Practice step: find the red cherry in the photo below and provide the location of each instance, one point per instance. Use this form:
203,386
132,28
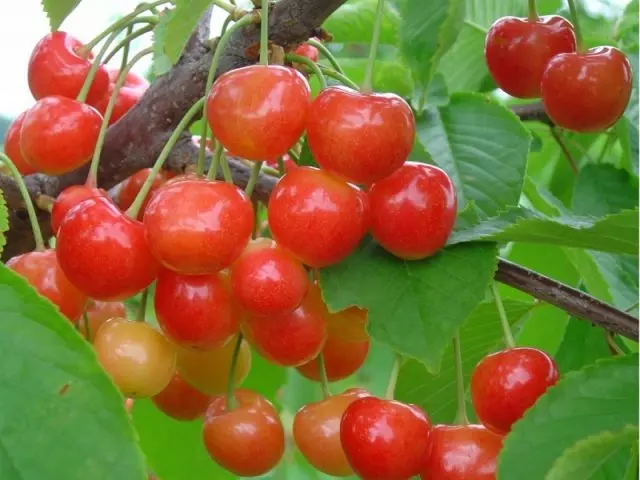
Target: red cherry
349,324
361,137
128,96
42,271
69,198
181,401
267,280
98,314
308,51
341,359
258,112
504,385
59,134
196,226
12,146
587,92
317,217
55,68
248,440
462,452
103,252
518,50
131,187
413,210
289,163
385,439
195,310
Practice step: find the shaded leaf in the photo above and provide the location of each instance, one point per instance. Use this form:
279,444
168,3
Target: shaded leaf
181,23
353,23
58,10
161,61
627,27
603,189
582,345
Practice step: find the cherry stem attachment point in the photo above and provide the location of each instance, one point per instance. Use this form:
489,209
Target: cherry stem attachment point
311,64
504,321
393,378
367,85
461,414
142,309
327,53
253,178
339,76
226,6
576,25
231,400
87,326
28,202
264,32
324,380
533,12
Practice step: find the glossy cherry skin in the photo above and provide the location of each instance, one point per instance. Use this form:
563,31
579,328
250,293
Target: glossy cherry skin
181,401
98,313
59,134
518,50
55,68
385,439
308,51
103,252
267,280
316,431
195,311
505,384
12,146
258,112
196,226
42,271
69,198
317,217
587,92
361,137
128,96
413,210
248,440
462,452
131,187
341,359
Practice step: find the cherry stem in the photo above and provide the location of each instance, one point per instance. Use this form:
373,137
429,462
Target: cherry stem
576,25
215,162
309,63
253,178
393,378
142,309
327,53
226,171
124,43
281,168
324,379
134,209
294,155
339,76
567,154
226,6
611,342
264,33
533,12
367,85
508,336
224,39
225,25
461,414
28,202
122,77
126,48
231,401
88,81
87,326
631,307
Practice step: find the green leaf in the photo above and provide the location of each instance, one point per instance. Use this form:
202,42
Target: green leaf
388,75
181,23
627,27
482,146
603,189
427,31
306,157
605,456
353,23
161,61
603,396
58,10
627,127
409,303
485,12
4,221
62,417
463,66
582,345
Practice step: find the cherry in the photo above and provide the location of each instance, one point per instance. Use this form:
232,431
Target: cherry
131,187
195,310
12,146
289,163
140,360
128,96
56,68
349,324
308,51
587,92
208,370
196,226
103,252
385,439
42,271
316,431
98,313
258,112
462,452
181,401
518,50
317,217
413,210
247,440
59,134
505,384
69,198
361,137
267,280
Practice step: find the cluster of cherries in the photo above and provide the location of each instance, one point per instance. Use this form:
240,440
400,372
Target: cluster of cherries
582,90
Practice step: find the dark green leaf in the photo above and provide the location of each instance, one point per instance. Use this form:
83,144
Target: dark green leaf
353,23
412,297
485,12
306,157
58,10
582,344
52,388
182,21
4,221
601,397
602,190
161,62
463,66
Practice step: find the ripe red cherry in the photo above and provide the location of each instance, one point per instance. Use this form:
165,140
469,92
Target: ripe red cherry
131,187
12,146
181,401
349,324
462,452
413,210
59,134
316,431
129,94
258,112
55,68
518,50
361,137
587,92
98,313
505,384
69,198
103,252
195,310
196,226
317,217
385,439
42,271
248,440
289,163
308,51
267,280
